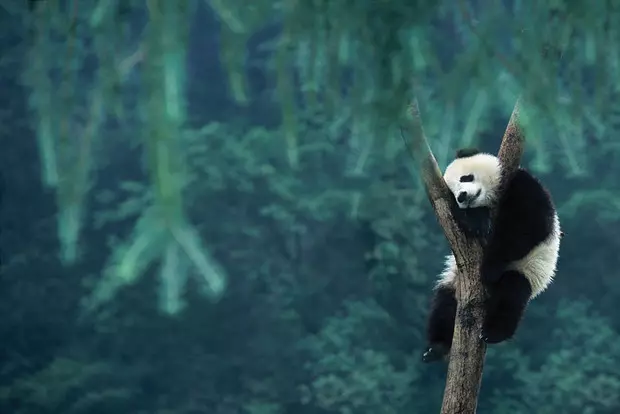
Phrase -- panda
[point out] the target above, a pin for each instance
(520, 251)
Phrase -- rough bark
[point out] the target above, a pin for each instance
(468, 351)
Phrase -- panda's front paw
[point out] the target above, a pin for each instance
(480, 229)
(475, 223)
(472, 230)
(485, 226)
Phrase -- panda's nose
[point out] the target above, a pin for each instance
(462, 196)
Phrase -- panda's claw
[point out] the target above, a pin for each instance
(494, 336)
(432, 354)
(475, 232)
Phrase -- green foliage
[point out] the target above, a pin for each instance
(578, 373)
(69, 386)
(351, 365)
(381, 47)
(387, 45)
(603, 204)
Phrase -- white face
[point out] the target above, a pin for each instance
(473, 180)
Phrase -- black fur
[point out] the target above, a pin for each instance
(473, 222)
(505, 304)
(467, 152)
(440, 323)
(524, 219)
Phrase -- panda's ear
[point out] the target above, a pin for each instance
(467, 152)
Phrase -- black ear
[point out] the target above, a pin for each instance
(467, 152)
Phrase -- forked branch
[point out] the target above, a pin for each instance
(468, 351)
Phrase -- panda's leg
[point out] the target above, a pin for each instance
(505, 305)
(440, 323)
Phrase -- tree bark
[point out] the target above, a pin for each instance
(468, 350)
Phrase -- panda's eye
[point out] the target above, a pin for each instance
(467, 178)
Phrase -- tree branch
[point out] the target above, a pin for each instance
(468, 351)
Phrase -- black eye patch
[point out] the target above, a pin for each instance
(467, 178)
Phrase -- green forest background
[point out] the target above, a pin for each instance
(310, 248)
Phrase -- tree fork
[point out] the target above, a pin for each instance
(468, 350)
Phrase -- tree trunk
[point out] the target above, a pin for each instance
(468, 350)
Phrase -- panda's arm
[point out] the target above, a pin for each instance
(473, 222)
(524, 220)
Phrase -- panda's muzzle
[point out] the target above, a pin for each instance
(464, 196)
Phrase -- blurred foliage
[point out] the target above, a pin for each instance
(351, 367)
(68, 386)
(296, 193)
(578, 376)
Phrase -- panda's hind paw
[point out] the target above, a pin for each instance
(434, 353)
(494, 336)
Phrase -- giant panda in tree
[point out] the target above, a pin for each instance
(520, 255)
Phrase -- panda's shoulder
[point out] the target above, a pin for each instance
(527, 191)
(523, 182)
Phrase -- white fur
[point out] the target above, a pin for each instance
(539, 266)
(487, 174)
(448, 275)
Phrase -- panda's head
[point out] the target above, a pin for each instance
(473, 177)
